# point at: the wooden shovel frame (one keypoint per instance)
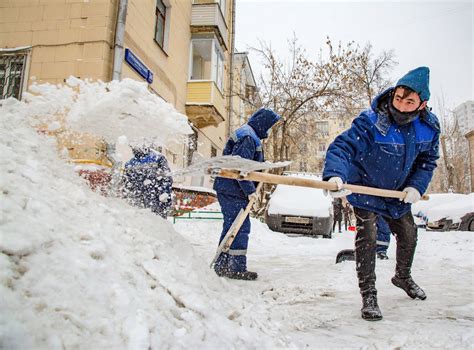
(298, 181)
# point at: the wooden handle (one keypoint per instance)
(298, 181)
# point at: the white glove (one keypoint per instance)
(340, 191)
(412, 195)
(253, 197)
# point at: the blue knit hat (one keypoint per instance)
(418, 80)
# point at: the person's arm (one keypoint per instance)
(424, 167)
(347, 146)
(245, 148)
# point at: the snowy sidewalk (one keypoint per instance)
(316, 302)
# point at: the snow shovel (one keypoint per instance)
(229, 237)
(297, 181)
(345, 254)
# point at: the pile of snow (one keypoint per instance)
(78, 270)
(108, 110)
(304, 201)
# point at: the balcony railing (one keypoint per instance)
(205, 104)
(208, 17)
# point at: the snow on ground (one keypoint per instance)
(78, 270)
(317, 304)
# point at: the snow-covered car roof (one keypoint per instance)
(420, 208)
(453, 209)
(302, 201)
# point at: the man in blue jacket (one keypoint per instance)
(234, 195)
(147, 182)
(394, 145)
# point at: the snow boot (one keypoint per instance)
(240, 275)
(222, 264)
(382, 255)
(410, 287)
(370, 309)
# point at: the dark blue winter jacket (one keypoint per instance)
(147, 182)
(246, 143)
(378, 153)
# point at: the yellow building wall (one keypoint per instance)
(170, 66)
(68, 37)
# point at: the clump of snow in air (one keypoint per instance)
(79, 270)
(109, 110)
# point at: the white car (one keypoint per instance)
(454, 212)
(304, 210)
(421, 207)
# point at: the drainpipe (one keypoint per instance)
(231, 65)
(119, 39)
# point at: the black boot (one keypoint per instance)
(370, 309)
(244, 275)
(410, 287)
(382, 255)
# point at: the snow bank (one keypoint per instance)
(78, 270)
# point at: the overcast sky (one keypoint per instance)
(436, 34)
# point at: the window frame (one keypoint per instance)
(10, 61)
(216, 52)
(166, 18)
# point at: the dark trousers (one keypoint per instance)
(334, 225)
(405, 232)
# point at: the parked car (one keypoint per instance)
(457, 214)
(421, 207)
(301, 210)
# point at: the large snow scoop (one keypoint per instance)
(298, 181)
(229, 237)
(345, 254)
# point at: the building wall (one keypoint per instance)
(170, 67)
(76, 37)
(68, 37)
(464, 114)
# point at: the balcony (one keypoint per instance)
(207, 18)
(205, 104)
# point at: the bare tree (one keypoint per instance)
(452, 172)
(371, 73)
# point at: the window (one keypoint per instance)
(322, 128)
(192, 146)
(11, 75)
(213, 151)
(322, 147)
(207, 61)
(160, 23)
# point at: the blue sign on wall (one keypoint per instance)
(138, 66)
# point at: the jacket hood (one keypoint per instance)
(262, 121)
(380, 105)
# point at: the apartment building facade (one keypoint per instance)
(181, 48)
(320, 131)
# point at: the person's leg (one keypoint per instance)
(365, 244)
(339, 224)
(233, 264)
(406, 234)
